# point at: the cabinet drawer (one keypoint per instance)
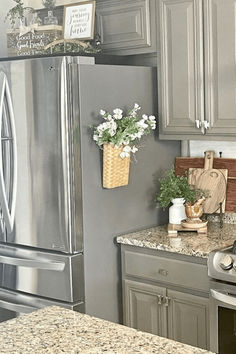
(176, 272)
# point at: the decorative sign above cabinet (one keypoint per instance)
(79, 20)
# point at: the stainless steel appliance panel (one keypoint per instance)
(37, 104)
(52, 275)
(13, 304)
(222, 318)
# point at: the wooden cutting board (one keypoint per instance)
(213, 180)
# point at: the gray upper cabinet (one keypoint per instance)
(220, 64)
(197, 76)
(127, 26)
(180, 69)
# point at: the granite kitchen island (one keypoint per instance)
(58, 330)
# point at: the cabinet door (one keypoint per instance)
(188, 319)
(143, 309)
(127, 26)
(180, 66)
(220, 61)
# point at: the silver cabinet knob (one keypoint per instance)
(163, 272)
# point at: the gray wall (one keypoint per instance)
(108, 213)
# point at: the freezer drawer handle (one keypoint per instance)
(31, 263)
(11, 306)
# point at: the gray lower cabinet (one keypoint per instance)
(188, 319)
(166, 295)
(127, 27)
(196, 69)
(144, 310)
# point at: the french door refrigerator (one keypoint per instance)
(43, 104)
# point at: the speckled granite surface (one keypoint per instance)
(57, 330)
(191, 243)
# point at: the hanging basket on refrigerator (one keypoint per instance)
(115, 169)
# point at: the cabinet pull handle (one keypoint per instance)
(198, 123)
(206, 124)
(160, 298)
(167, 300)
(163, 272)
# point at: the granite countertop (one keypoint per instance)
(57, 330)
(192, 244)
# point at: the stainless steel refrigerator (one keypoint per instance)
(57, 223)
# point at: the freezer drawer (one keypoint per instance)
(13, 304)
(52, 275)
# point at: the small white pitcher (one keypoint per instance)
(177, 211)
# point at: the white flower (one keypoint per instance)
(152, 118)
(139, 134)
(136, 106)
(145, 117)
(142, 124)
(102, 112)
(117, 113)
(124, 154)
(134, 149)
(125, 142)
(127, 148)
(95, 137)
(153, 125)
(109, 117)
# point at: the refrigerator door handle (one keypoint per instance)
(31, 263)
(8, 211)
(11, 306)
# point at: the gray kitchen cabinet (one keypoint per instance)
(188, 319)
(127, 27)
(144, 310)
(196, 69)
(220, 64)
(180, 69)
(161, 295)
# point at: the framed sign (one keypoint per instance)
(79, 20)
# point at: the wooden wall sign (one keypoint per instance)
(32, 42)
(182, 164)
(79, 20)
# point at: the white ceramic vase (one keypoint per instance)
(177, 211)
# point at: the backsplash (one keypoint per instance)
(197, 148)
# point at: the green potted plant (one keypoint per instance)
(176, 190)
(16, 13)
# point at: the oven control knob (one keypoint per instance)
(226, 262)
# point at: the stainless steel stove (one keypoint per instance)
(222, 270)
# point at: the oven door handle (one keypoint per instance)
(224, 298)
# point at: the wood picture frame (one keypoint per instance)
(79, 20)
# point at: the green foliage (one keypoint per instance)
(173, 186)
(16, 12)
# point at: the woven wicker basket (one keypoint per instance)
(115, 169)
